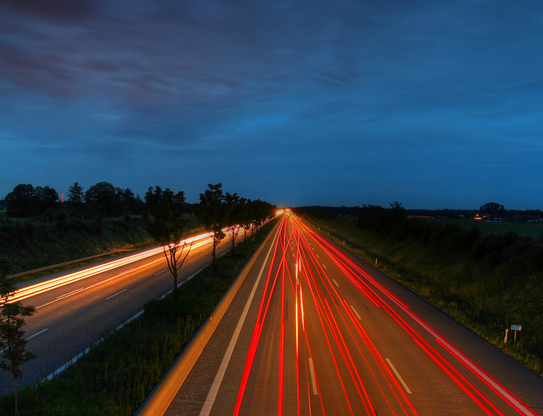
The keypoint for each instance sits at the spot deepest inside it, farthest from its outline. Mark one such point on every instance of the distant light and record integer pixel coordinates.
(281, 211)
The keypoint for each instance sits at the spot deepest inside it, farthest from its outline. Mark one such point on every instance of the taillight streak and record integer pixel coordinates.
(334, 294)
(363, 277)
(260, 319)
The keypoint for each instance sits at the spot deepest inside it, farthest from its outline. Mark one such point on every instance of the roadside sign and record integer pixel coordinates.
(516, 327)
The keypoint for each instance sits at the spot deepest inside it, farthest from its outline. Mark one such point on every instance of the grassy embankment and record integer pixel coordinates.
(116, 375)
(27, 245)
(486, 282)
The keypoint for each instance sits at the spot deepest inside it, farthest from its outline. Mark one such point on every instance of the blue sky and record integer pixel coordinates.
(436, 104)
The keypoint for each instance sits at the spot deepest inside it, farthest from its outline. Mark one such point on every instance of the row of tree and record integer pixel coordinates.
(103, 200)
(167, 220)
(99, 201)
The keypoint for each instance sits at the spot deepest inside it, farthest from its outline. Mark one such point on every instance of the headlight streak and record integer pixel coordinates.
(358, 275)
(39, 288)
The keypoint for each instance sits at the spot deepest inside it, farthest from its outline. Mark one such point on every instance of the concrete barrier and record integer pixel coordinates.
(164, 392)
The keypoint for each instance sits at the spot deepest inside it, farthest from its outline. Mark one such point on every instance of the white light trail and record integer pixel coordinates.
(38, 288)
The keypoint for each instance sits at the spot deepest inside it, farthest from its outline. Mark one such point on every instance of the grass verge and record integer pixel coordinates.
(115, 377)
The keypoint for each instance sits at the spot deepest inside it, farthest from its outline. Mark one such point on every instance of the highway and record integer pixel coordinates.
(314, 330)
(75, 308)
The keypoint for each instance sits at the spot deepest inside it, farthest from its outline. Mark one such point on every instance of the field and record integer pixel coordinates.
(535, 231)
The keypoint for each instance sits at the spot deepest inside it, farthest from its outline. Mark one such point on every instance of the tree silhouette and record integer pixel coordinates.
(492, 208)
(212, 213)
(21, 201)
(12, 341)
(167, 224)
(75, 199)
(234, 215)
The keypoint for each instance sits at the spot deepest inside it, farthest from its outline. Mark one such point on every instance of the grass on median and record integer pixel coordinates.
(115, 377)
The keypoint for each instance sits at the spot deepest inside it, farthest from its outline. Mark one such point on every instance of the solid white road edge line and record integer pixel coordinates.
(211, 396)
(404, 384)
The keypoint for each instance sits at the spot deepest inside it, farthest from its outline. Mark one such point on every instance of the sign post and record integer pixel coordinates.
(516, 328)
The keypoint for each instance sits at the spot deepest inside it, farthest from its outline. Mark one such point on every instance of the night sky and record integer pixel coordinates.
(435, 104)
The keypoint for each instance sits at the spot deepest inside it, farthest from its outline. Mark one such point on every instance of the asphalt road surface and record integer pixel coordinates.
(73, 309)
(314, 330)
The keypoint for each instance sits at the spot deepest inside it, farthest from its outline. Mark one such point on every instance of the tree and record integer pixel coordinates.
(21, 202)
(76, 198)
(211, 213)
(46, 200)
(12, 341)
(257, 212)
(126, 198)
(243, 215)
(234, 215)
(167, 224)
(101, 199)
(397, 216)
(25, 201)
(492, 208)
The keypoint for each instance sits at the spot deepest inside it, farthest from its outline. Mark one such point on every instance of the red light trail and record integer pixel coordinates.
(348, 360)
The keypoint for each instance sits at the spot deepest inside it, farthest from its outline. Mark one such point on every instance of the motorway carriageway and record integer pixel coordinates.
(74, 309)
(313, 330)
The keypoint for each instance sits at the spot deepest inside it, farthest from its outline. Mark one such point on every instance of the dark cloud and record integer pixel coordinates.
(58, 10)
(100, 65)
(37, 71)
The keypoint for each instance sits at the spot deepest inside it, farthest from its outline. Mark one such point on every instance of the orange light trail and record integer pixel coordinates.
(38, 288)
